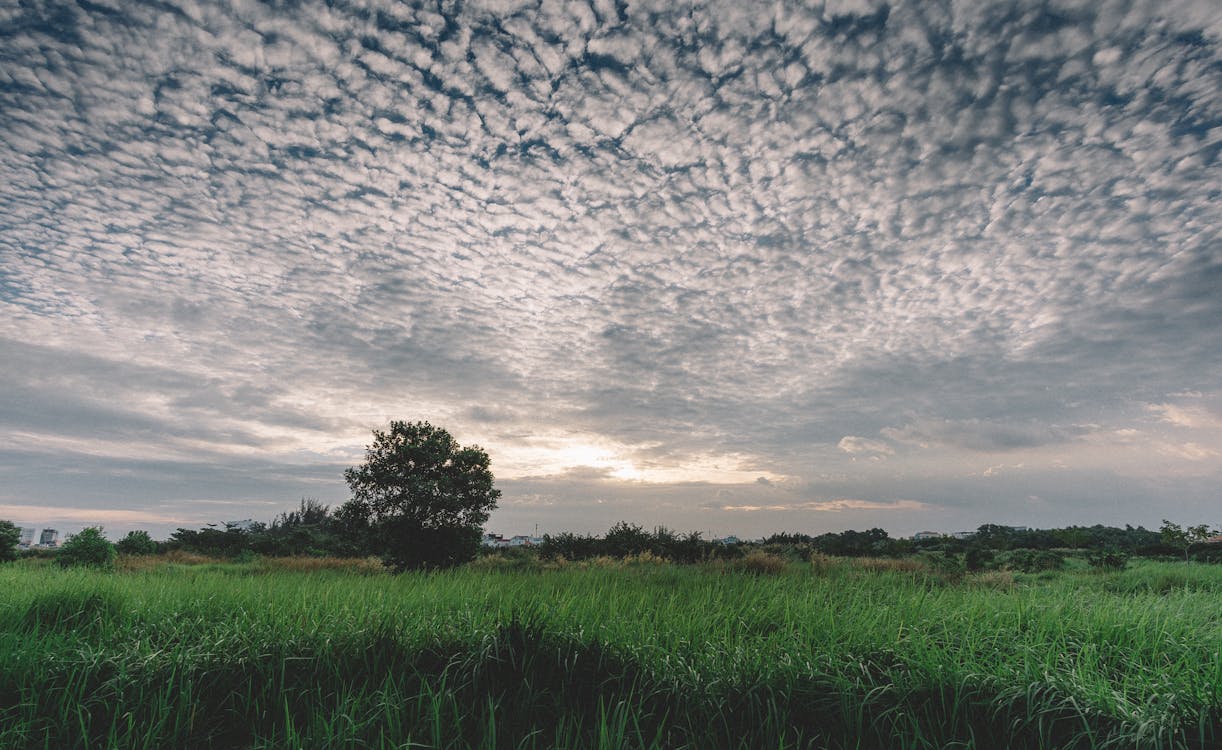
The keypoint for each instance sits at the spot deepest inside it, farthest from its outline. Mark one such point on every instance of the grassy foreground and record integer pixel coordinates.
(633, 656)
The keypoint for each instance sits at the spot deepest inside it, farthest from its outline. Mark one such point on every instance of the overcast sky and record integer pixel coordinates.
(739, 267)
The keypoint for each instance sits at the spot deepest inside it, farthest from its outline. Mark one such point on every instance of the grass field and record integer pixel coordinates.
(836, 654)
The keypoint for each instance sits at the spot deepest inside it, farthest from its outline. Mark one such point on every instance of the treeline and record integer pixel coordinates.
(629, 540)
(877, 543)
(1170, 540)
(313, 529)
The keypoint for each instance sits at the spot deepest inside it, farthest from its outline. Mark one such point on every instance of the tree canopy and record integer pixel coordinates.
(421, 495)
(89, 549)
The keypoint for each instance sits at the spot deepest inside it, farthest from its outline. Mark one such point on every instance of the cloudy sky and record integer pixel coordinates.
(733, 267)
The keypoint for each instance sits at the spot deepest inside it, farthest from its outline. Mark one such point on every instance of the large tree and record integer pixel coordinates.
(421, 497)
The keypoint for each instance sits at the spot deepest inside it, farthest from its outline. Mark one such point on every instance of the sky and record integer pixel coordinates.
(738, 267)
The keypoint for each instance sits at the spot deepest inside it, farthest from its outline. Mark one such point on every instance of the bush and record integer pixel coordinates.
(137, 543)
(977, 559)
(1108, 559)
(410, 545)
(87, 549)
(820, 563)
(10, 535)
(1032, 560)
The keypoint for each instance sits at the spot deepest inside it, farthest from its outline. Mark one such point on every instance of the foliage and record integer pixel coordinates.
(624, 539)
(978, 558)
(1108, 559)
(628, 539)
(10, 537)
(136, 543)
(1031, 560)
(870, 543)
(89, 549)
(423, 497)
(1173, 535)
(210, 540)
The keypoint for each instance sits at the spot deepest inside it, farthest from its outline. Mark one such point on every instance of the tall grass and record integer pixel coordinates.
(646, 655)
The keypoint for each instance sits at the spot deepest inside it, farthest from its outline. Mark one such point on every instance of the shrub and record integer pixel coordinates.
(10, 535)
(821, 563)
(977, 559)
(625, 539)
(1032, 561)
(87, 549)
(137, 543)
(1108, 559)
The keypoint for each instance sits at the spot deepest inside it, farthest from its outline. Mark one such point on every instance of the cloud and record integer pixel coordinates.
(706, 239)
(982, 435)
(853, 445)
(1192, 416)
(832, 506)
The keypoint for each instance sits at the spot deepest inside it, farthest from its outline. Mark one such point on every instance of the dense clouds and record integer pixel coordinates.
(731, 267)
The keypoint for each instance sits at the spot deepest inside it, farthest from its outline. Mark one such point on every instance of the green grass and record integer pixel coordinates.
(635, 656)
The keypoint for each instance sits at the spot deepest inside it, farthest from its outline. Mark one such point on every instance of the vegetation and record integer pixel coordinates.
(88, 549)
(313, 530)
(1173, 535)
(420, 498)
(10, 537)
(136, 543)
(758, 651)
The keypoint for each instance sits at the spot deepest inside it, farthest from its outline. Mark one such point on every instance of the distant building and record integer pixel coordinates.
(496, 540)
(728, 540)
(49, 538)
(963, 534)
(927, 535)
(27, 537)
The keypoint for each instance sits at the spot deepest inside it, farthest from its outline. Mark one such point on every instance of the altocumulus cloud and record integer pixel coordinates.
(645, 253)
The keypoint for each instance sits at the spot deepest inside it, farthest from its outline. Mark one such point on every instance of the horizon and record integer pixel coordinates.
(115, 534)
(737, 269)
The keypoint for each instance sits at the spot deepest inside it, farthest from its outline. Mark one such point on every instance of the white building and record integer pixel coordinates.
(496, 540)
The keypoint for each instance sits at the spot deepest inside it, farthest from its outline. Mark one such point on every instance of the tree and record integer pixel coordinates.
(87, 549)
(137, 543)
(422, 498)
(10, 536)
(1173, 535)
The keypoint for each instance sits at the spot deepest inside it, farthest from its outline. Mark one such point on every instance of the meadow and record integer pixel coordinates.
(172, 652)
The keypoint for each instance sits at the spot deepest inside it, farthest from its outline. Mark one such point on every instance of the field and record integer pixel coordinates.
(866, 654)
